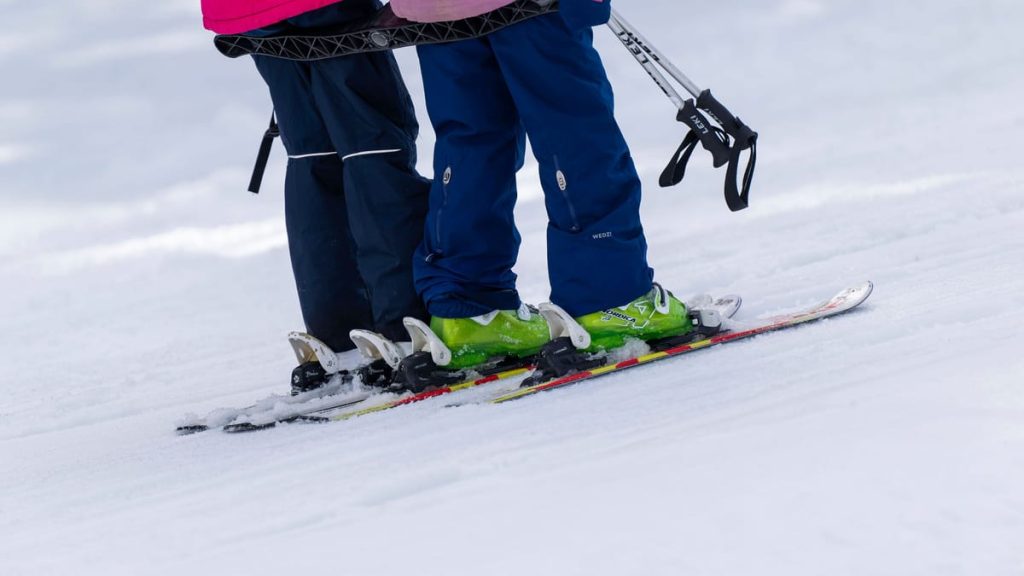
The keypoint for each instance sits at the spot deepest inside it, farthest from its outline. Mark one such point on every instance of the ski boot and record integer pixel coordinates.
(444, 351)
(657, 318)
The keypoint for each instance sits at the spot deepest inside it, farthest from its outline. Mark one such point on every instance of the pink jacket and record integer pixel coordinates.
(236, 16)
(441, 10)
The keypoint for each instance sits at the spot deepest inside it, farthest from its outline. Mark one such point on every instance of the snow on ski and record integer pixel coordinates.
(842, 302)
(322, 415)
(277, 407)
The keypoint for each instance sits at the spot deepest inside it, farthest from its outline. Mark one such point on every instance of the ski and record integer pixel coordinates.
(332, 404)
(324, 415)
(726, 306)
(381, 31)
(279, 406)
(842, 302)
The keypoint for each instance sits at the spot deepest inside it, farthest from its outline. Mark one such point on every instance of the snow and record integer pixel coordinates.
(140, 283)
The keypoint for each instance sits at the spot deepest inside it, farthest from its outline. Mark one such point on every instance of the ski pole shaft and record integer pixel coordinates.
(628, 39)
(632, 38)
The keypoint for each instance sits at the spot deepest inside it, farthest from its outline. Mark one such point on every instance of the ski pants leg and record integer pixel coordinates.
(470, 244)
(544, 77)
(354, 203)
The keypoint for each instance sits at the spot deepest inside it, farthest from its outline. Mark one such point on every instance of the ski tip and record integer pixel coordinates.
(860, 292)
(849, 298)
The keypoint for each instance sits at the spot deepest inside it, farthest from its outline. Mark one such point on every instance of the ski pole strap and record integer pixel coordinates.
(264, 155)
(726, 142)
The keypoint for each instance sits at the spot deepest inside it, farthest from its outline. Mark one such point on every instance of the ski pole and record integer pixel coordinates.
(633, 44)
(725, 138)
(620, 26)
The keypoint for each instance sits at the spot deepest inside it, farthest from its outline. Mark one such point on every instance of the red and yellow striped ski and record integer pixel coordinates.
(426, 395)
(842, 302)
(332, 414)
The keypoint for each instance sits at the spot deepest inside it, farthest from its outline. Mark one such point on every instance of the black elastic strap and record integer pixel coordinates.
(702, 131)
(264, 155)
(676, 169)
(738, 199)
(725, 143)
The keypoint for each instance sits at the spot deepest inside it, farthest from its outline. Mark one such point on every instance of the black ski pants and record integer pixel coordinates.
(354, 203)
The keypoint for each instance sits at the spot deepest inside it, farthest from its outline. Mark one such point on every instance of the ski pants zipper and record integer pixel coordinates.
(563, 187)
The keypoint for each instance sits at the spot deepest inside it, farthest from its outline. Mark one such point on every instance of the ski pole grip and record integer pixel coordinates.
(732, 125)
(722, 134)
(744, 138)
(710, 136)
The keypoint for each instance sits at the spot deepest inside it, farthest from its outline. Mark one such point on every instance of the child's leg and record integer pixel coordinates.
(464, 266)
(331, 291)
(370, 118)
(597, 253)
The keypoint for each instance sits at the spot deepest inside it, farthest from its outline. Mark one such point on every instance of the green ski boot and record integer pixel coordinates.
(656, 315)
(500, 334)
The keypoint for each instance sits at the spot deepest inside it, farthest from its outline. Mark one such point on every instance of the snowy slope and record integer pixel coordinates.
(139, 282)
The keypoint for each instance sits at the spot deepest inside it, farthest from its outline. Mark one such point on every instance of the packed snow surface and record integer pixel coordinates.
(140, 283)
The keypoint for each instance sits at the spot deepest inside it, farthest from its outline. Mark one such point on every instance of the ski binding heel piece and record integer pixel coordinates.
(562, 325)
(559, 358)
(424, 340)
(419, 371)
(373, 346)
(376, 374)
(308, 377)
(307, 349)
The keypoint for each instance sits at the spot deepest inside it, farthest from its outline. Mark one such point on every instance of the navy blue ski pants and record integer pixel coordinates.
(354, 203)
(543, 79)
